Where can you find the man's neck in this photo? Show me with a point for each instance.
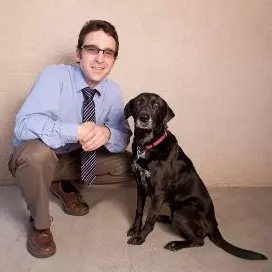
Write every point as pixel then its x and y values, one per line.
pixel 93 84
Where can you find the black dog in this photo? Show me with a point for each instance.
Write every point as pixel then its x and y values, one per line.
pixel 165 174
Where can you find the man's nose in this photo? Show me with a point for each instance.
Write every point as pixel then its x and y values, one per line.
pixel 100 56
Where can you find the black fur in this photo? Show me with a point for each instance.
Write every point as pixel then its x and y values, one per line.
pixel 166 174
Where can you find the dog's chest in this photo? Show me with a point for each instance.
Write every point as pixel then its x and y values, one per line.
pixel 143 175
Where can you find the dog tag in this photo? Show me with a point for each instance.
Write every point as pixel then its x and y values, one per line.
pixel 136 158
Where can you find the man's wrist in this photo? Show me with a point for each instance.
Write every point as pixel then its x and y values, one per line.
pixel 109 133
pixel 79 132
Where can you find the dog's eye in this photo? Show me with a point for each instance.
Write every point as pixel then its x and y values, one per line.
pixel 156 105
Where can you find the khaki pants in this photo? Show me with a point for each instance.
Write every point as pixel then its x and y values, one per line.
pixel 35 165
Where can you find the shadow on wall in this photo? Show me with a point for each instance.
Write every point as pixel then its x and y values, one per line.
pixel 68 58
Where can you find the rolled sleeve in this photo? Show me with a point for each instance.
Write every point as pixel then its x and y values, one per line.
pixel 69 133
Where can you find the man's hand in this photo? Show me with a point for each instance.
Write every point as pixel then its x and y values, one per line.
pixel 92 136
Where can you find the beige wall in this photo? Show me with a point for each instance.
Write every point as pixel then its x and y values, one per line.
pixel 211 60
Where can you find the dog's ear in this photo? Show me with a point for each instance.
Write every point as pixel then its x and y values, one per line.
pixel 168 115
pixel 128 109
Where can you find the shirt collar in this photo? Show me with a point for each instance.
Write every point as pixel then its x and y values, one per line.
pixel 80 81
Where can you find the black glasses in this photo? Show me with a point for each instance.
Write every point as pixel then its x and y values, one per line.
pixel 94 50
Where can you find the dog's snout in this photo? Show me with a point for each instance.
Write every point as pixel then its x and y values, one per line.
pixel 144 117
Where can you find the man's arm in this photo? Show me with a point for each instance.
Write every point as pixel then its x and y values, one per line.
pixel 39 116
pixel 117 125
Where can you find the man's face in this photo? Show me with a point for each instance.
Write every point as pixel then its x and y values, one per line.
pixel 96 65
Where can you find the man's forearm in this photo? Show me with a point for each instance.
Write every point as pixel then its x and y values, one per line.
pixel 37 126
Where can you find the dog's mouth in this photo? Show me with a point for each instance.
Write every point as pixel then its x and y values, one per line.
pixel 144 123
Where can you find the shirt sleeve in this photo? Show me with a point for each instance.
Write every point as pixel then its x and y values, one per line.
pixel 117 124
pixel 39 116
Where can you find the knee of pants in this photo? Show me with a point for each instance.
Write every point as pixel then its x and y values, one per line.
pixel 122 164
pixel 113 164
pixel 34 153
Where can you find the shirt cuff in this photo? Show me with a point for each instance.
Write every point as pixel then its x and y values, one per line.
pixel 69 133
pixel 117 141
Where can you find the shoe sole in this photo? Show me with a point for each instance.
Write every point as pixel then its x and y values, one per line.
pixel 35 254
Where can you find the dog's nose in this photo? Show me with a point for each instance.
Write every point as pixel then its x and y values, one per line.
pixel 144 117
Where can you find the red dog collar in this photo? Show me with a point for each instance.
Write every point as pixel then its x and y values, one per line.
pixel 157 142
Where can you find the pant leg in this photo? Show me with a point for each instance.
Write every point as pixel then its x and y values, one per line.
pixel 68 167
pixel 110 167
pixel 33 165
pixel 113 167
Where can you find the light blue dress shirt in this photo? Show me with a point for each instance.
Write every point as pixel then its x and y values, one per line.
pixel 53 110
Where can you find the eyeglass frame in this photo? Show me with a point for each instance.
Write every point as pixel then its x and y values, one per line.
pixel 85 46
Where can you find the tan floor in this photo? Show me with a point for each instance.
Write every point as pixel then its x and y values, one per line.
pixel 97 242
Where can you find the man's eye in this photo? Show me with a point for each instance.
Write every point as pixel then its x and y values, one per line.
pixel 109 53
pixel 91 49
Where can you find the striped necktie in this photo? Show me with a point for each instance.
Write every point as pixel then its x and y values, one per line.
pixel 88 159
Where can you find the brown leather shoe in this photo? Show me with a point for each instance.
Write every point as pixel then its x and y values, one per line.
pixel 40 243
pixel 72 202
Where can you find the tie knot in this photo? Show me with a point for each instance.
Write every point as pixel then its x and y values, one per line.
pixel 88 93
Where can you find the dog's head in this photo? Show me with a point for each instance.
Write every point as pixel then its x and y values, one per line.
pixel 149 111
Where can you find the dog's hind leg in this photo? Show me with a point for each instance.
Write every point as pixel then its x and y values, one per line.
pixel 177 245
pixel 189 228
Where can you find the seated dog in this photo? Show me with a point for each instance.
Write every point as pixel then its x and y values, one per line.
pixel 165 174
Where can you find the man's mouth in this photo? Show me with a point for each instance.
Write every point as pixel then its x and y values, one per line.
pixel 97 68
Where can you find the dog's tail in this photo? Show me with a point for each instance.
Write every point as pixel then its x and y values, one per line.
pixel 218 240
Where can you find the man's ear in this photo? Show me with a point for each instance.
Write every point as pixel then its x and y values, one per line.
pixel 78 55
pixel 168 115
pixel 128 109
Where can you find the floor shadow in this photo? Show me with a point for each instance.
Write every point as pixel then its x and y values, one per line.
pixel 13 207
pixel 125 198
pixel 122 196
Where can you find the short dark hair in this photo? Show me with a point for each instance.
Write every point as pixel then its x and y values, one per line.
pixel 96 25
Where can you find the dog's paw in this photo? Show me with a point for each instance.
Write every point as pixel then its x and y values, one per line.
pixel 173 246
pixel 137 240
pixel 133 231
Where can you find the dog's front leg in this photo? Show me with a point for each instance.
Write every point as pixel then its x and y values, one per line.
pixel 155 206
pixel 136 227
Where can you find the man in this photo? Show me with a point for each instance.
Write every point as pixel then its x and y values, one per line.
pixel 70 127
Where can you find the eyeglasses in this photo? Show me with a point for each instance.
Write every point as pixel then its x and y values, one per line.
pixel 94 50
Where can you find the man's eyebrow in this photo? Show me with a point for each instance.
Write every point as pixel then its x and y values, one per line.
pixel 107 48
